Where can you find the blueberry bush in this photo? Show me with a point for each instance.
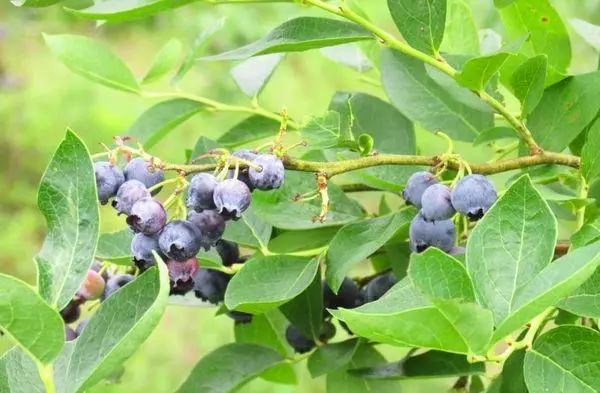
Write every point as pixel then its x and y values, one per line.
pixel 491 281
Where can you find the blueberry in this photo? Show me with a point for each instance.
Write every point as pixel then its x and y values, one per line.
pixel 108 180
pixel 243 172
pixel 181 275
pixel 436 203
pixel 240 317
pixel 210 285
pixel 129 193
pixel 147 216
pixel 327 331
pixel 272 173
pixel 81 326
pixel 348 295
pixel 378 286
pixel 473 196
pixel 298 340
pixel 211 225
pixel 141 249
pixel 416 186
pixel 70 334
pixel 116 283
pixel 232 198
pixel 71 312
pixel 92 287
pixel 180 240
pixel 139 169
pixel 200 192
pixel 228 251
pixel 424 234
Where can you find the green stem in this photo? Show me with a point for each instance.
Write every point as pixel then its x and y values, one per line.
pixel 436 62
pixel 47 376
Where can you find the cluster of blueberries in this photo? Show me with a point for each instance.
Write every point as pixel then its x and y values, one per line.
pixel 472 197
pixel 350 295
pixel 211 203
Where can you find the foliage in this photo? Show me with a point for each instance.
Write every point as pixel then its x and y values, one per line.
pixel 457 309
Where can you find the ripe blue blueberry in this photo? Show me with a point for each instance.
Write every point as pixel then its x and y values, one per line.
pixel 70 334
pixel 139 169
pixel 108 180
pixel 416 186
pixel 180 240
pixel 272 173
pixel 116 283
pixel 348 295
pixel 436 203
pixel 298 340
pixel 228 251
pixel 181 275
pixel 211 225
pixel 200 192
pixel 129 193
pixel 232 198
pixel 378 286
pixel 71 312
pixel 210 285
pixel 424 234
pixel 243 172
pixel 473 196
pixel 147 216
pixel 239 317
pixel 141 249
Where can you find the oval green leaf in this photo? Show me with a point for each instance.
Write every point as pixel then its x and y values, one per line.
pixel 164 61
pixel 421 23
pixel 115 247
pixel 249 130
pixel 252 75
pixel 119 10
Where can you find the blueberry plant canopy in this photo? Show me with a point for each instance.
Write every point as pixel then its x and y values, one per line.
pixel 455 272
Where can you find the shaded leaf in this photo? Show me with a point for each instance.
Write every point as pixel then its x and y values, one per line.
pixel 305 311
pixel 461 33
pixel 528 82
pixel 164 61
pixel 299 34
pixel 115 247
pixel 252 74
pixel 421 23
pixel 246 231
pixel 249 130
pixel 330 357
pixel 93 61
pixel 28 320
pixel 589 233
pixel 310 240
pixel 590 164
pixel 67 198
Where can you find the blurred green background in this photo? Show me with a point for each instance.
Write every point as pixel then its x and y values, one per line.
pixel 39 98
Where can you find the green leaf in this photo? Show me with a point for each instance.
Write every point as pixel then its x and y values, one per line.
pixel 589 233
pixel 340 380
pixel 34 3
pixel 354 242
pixel 548 34
pixel 299 34
pixel 249 130
pixel 431 364
pixel 203 145
pixel 461 35
pixel 67 198
pixel 588 31
pixel 164 61
pixel 405 317
pixel 252 75
pixel 322 132
pixel 200 43
pixel 229 367
pixel 584 301
pixel 512 379
pixel 305 311
pixel 158 120
pixel 590 164
pixel 311 240
pixel 421 23
pixel 528 82
pixel 285 276
pixel 115 247
pixel 277 208
pixel 19 373
pixel 510 246
pixel 116 330
pixel 330 357
pixel 391 131
pixel 93 61
pixel 28 320
pixel 248 229
pixel 119 10
pixel 477 72
pixel 565 357
pixel 559 279
pixel 349 55
pixel 422 100
pixel 495 133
